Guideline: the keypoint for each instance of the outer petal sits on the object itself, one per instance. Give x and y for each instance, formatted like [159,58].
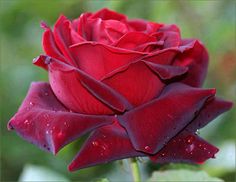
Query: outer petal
[185,147]
[62,35]
[153,124]
[106,144]
[188,147]
[44,121]
[97,59]
[80,92]
[49,44]
[196,59]
[210,111]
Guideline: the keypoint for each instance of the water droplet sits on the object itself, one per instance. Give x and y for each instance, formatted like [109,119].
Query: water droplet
[47,60]
[189,139]
[189,148]
[60,135]
[104,136]
[200,145]
[48,124]
[198,132]
[26,122]
[95,143]
[209,152]
[163,154]
[115,115]
[31,103]
[46,93]
[204,148]
[147,148]
[65,123]
[47,132]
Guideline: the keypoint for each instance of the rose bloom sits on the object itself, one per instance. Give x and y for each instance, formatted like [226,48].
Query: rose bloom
[134,84]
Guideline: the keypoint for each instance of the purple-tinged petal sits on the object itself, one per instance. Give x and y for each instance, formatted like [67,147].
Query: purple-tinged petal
[104,145]
[153,124]
[185,147]
[44,121]
[210,111]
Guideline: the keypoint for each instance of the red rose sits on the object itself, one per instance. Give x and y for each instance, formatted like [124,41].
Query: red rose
[133,83]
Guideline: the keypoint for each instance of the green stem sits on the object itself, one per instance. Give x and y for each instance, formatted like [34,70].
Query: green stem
[135,170]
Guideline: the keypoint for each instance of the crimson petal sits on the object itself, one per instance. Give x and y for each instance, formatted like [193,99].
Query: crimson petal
[166,72]
[210,111]
[135,78]
[49,44]
[196,59]
[62,35]
[185,147]
[106,144]
[95,58]
[44,121]
[80,92]
[106,14]
[153,124]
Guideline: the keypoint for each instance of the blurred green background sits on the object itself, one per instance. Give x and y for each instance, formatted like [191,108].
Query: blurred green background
[212,21]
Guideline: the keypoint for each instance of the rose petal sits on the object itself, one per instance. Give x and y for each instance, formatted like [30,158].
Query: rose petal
[196,59]
[81,93]
[136,82]
[185,147]
[210,111]
[106,14]
[106,144]
[62,35]
[44,121]
[95,58]
[153,124]
[49,45]
[133,39]
[167,72]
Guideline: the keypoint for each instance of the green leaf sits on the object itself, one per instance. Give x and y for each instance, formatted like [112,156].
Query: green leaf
[39,173]
[182,175]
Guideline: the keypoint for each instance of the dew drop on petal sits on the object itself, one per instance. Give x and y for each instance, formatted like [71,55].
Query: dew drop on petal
[147,148]
[189,140]
[189,148]
[163,154]
[26,122]
[46,93]
[95,143]
[31,103]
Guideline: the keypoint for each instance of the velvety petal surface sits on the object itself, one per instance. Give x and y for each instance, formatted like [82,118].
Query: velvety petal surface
[185,147]
[104,145]
[80,92]
[98,60]
[210,111]
[45,122]
[135,82]
[62,36]
[153,124]
[196,59]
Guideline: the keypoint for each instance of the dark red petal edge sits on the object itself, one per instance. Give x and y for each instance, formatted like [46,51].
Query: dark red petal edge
[152,125]
[104,145]
[45,122]
[98,89]
[185,147]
